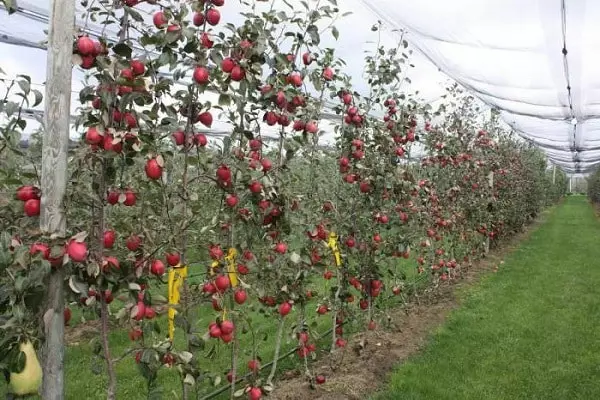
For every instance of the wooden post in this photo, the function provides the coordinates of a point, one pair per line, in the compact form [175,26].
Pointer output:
[554,175]
[54,182]
[571,184]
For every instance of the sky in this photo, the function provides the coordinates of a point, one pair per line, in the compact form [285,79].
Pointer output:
[355,39]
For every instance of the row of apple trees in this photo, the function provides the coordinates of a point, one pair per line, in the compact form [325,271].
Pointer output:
[201,156]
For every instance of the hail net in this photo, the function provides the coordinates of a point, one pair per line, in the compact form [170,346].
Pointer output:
[536,61]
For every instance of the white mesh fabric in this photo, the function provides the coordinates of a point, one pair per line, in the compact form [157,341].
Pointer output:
[510,54]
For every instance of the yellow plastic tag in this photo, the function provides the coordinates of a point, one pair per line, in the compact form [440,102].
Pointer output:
[231,270]
[213,266]
[332,244]
[177,276]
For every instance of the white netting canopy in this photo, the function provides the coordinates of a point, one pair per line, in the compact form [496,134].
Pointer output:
[536,61]
[533,60]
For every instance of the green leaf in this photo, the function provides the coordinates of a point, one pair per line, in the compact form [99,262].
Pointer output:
[123,50]
[25,86]
[335,32]
[134,14]
[313,31]
[224,99]
[10,5]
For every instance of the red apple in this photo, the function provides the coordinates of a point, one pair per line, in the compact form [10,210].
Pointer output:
[32,207]
[133,242]
[85,46]
[213,16]
[231,200]
[109,239]
[254,393]
[160,20]
[255,187]
[201,75]
[240,296]
[130,198]
[77,251]
[222,283]
[173,258]
[206,119]
[307,58]
[28,192]
[153,169]
[157,268]
[92,136]
[285,308]
[178,137]
[227,65]
[137,67]
[40,248]
[198,19]
[237,73]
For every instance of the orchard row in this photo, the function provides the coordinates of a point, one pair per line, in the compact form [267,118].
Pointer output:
[281,225]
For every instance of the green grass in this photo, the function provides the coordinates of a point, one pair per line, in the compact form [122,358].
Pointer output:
[528,332]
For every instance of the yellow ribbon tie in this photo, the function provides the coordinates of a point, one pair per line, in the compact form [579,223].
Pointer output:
[332,244]
[177,276]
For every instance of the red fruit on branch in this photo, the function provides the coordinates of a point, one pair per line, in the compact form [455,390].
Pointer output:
[86,46]
[227,327]
[32,207]
[153,169]
[157,268]
[137,67]
[307,58]
[160,20]
[240,296]
[254,393]
[238,73]
[231,200]
[281,248]
[92,136]
[201,75]
[285,308]
[149,313]
[133,242]
[206,119]
[255,187]
[253,365]
[222,283]
[200,140]
[28,192]
[109,239]
[130,198]
[67,315]
[178,137]
[173,258]
[198,19]
[223,173]
[311,127]
[40,248]
[213,16]
[77,251]
[227,64]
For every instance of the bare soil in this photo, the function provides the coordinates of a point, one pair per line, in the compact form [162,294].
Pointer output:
[362,367]
[81,332]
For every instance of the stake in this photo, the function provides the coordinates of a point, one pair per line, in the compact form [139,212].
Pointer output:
[54,182]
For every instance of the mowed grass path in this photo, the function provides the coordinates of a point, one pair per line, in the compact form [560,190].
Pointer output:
[531,331]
